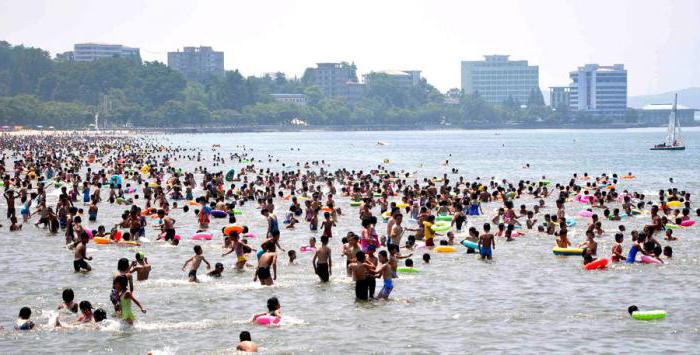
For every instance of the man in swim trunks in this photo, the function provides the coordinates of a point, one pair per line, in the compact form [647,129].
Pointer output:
[79,263]
[266,261]
[360,271]
[168,225]
[322,260]
[486,242]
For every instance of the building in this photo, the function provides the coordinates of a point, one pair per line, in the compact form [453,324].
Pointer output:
[297,99]
[87,52]
[659,113]
[332,78]
[599,90]
[354,92]
[196,63]
[400,78]
[496,79]
[559,96]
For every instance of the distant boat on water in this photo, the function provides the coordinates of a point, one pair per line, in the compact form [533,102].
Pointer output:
[674,141]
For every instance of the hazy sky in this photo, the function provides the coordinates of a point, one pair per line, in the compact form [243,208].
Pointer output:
[658,41]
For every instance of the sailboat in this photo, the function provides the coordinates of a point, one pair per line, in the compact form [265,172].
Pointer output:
[674,141]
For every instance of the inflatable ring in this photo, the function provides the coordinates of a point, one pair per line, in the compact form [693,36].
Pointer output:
[470,244]
[100,240]
[410,270]
[674,204]
[267,320]
[597,264]
[649,315]
[233,228]
[567,251]
[445,249]
[202,236]
[688,223]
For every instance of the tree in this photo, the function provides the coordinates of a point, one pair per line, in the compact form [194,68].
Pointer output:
[535,99]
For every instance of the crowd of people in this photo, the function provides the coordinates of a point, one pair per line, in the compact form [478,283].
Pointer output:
[400,214]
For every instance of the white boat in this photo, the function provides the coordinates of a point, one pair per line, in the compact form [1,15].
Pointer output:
[674,141]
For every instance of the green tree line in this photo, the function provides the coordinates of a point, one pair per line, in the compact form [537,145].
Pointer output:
[37,90]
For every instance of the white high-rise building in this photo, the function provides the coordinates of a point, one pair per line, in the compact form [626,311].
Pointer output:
[496,79]
[87,52]
[599,90]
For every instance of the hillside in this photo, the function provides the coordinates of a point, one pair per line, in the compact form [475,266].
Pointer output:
[688,97]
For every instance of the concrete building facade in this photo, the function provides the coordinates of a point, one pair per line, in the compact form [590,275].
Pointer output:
[401,78]
[659,113]
[333,78]
[599,90]
[559,96]
[197,62]
[496,79]
[87,52]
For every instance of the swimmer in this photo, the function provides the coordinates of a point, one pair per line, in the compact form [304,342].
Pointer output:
[141,267]
[292,255]
[266,261]
[80,254]
[361,271]
[385,271]
[194,262]
[23,322]
[125,298]
[218,269]
[617,248]
[68,296]
[273,309]
[486,243]
[246,344]
[322,262]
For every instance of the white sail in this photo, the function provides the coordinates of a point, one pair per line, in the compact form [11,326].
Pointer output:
[673,135]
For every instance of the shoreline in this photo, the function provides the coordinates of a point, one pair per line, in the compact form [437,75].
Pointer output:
[335,128]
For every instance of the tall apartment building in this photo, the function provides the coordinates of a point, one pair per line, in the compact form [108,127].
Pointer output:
[496,79]
[197,62]
[87,52]
[333,78]
[599,90]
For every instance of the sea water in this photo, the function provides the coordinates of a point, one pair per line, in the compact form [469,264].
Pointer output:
[526,300]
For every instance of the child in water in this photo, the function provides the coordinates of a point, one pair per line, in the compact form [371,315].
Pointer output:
[246,344]
[617,248]
[385,271]
[125,298]
[218,269]
[68,304]
[194,262]
[23,322]
[292,256]
[273,309]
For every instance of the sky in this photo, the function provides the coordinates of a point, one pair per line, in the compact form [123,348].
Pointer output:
[658,41]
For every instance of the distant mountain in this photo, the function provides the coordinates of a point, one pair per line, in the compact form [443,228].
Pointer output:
[689,97]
